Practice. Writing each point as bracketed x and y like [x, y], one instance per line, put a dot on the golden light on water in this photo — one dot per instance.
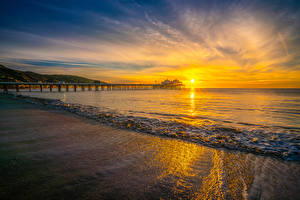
[183, 160]
[192, 95]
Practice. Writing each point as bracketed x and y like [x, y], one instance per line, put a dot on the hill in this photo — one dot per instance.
[11, 75]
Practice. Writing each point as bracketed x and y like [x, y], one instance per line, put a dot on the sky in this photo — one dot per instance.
[218, 43]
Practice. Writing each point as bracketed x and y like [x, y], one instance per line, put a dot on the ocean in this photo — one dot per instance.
[262, 121]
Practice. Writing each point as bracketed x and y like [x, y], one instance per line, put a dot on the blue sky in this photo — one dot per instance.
[129, 40]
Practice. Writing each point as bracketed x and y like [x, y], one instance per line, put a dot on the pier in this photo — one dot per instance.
[84, 86]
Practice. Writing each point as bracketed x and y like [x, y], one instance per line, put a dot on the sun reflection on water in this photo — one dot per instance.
[192, 95]
[192, 102]
[182, 163]
[177, 161]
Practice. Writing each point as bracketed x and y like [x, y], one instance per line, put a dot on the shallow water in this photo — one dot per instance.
[247, 108]
[264, 120]
[48, 154]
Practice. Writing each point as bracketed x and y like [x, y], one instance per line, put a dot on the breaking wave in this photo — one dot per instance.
[263, 140]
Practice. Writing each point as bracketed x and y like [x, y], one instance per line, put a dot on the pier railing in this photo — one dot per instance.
[89, 86]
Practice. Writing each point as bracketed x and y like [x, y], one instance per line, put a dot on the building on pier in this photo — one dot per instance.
[172, 84]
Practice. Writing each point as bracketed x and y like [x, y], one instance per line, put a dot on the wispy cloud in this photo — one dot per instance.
[214, 41]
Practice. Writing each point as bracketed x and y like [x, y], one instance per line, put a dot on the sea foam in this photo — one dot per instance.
[258, 141]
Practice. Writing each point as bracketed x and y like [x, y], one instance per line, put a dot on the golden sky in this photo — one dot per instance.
[217, 43]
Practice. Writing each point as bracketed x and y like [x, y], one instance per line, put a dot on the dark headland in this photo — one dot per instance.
[11, 75]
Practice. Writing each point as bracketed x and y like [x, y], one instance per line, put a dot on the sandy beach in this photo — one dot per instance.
[53, 154]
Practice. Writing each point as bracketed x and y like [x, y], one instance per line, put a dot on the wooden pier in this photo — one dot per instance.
[89, 86]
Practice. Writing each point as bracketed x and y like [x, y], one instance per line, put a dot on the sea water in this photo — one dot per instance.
[264, 121]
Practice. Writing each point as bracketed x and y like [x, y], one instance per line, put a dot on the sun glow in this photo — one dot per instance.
[220, 49]
[192, 95]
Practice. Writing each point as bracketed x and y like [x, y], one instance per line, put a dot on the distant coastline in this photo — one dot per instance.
[11, 75]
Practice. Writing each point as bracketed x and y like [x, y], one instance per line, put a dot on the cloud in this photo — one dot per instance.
[150, 39]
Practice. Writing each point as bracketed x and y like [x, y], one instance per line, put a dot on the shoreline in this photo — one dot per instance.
[53, 154]
[279, 146]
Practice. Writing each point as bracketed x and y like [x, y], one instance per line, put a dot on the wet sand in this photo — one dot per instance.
[52, 154]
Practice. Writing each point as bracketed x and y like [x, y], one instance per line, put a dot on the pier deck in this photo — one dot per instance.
[83, 86]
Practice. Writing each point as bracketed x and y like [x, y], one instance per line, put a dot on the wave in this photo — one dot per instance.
[183, 116]
[259, 141]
